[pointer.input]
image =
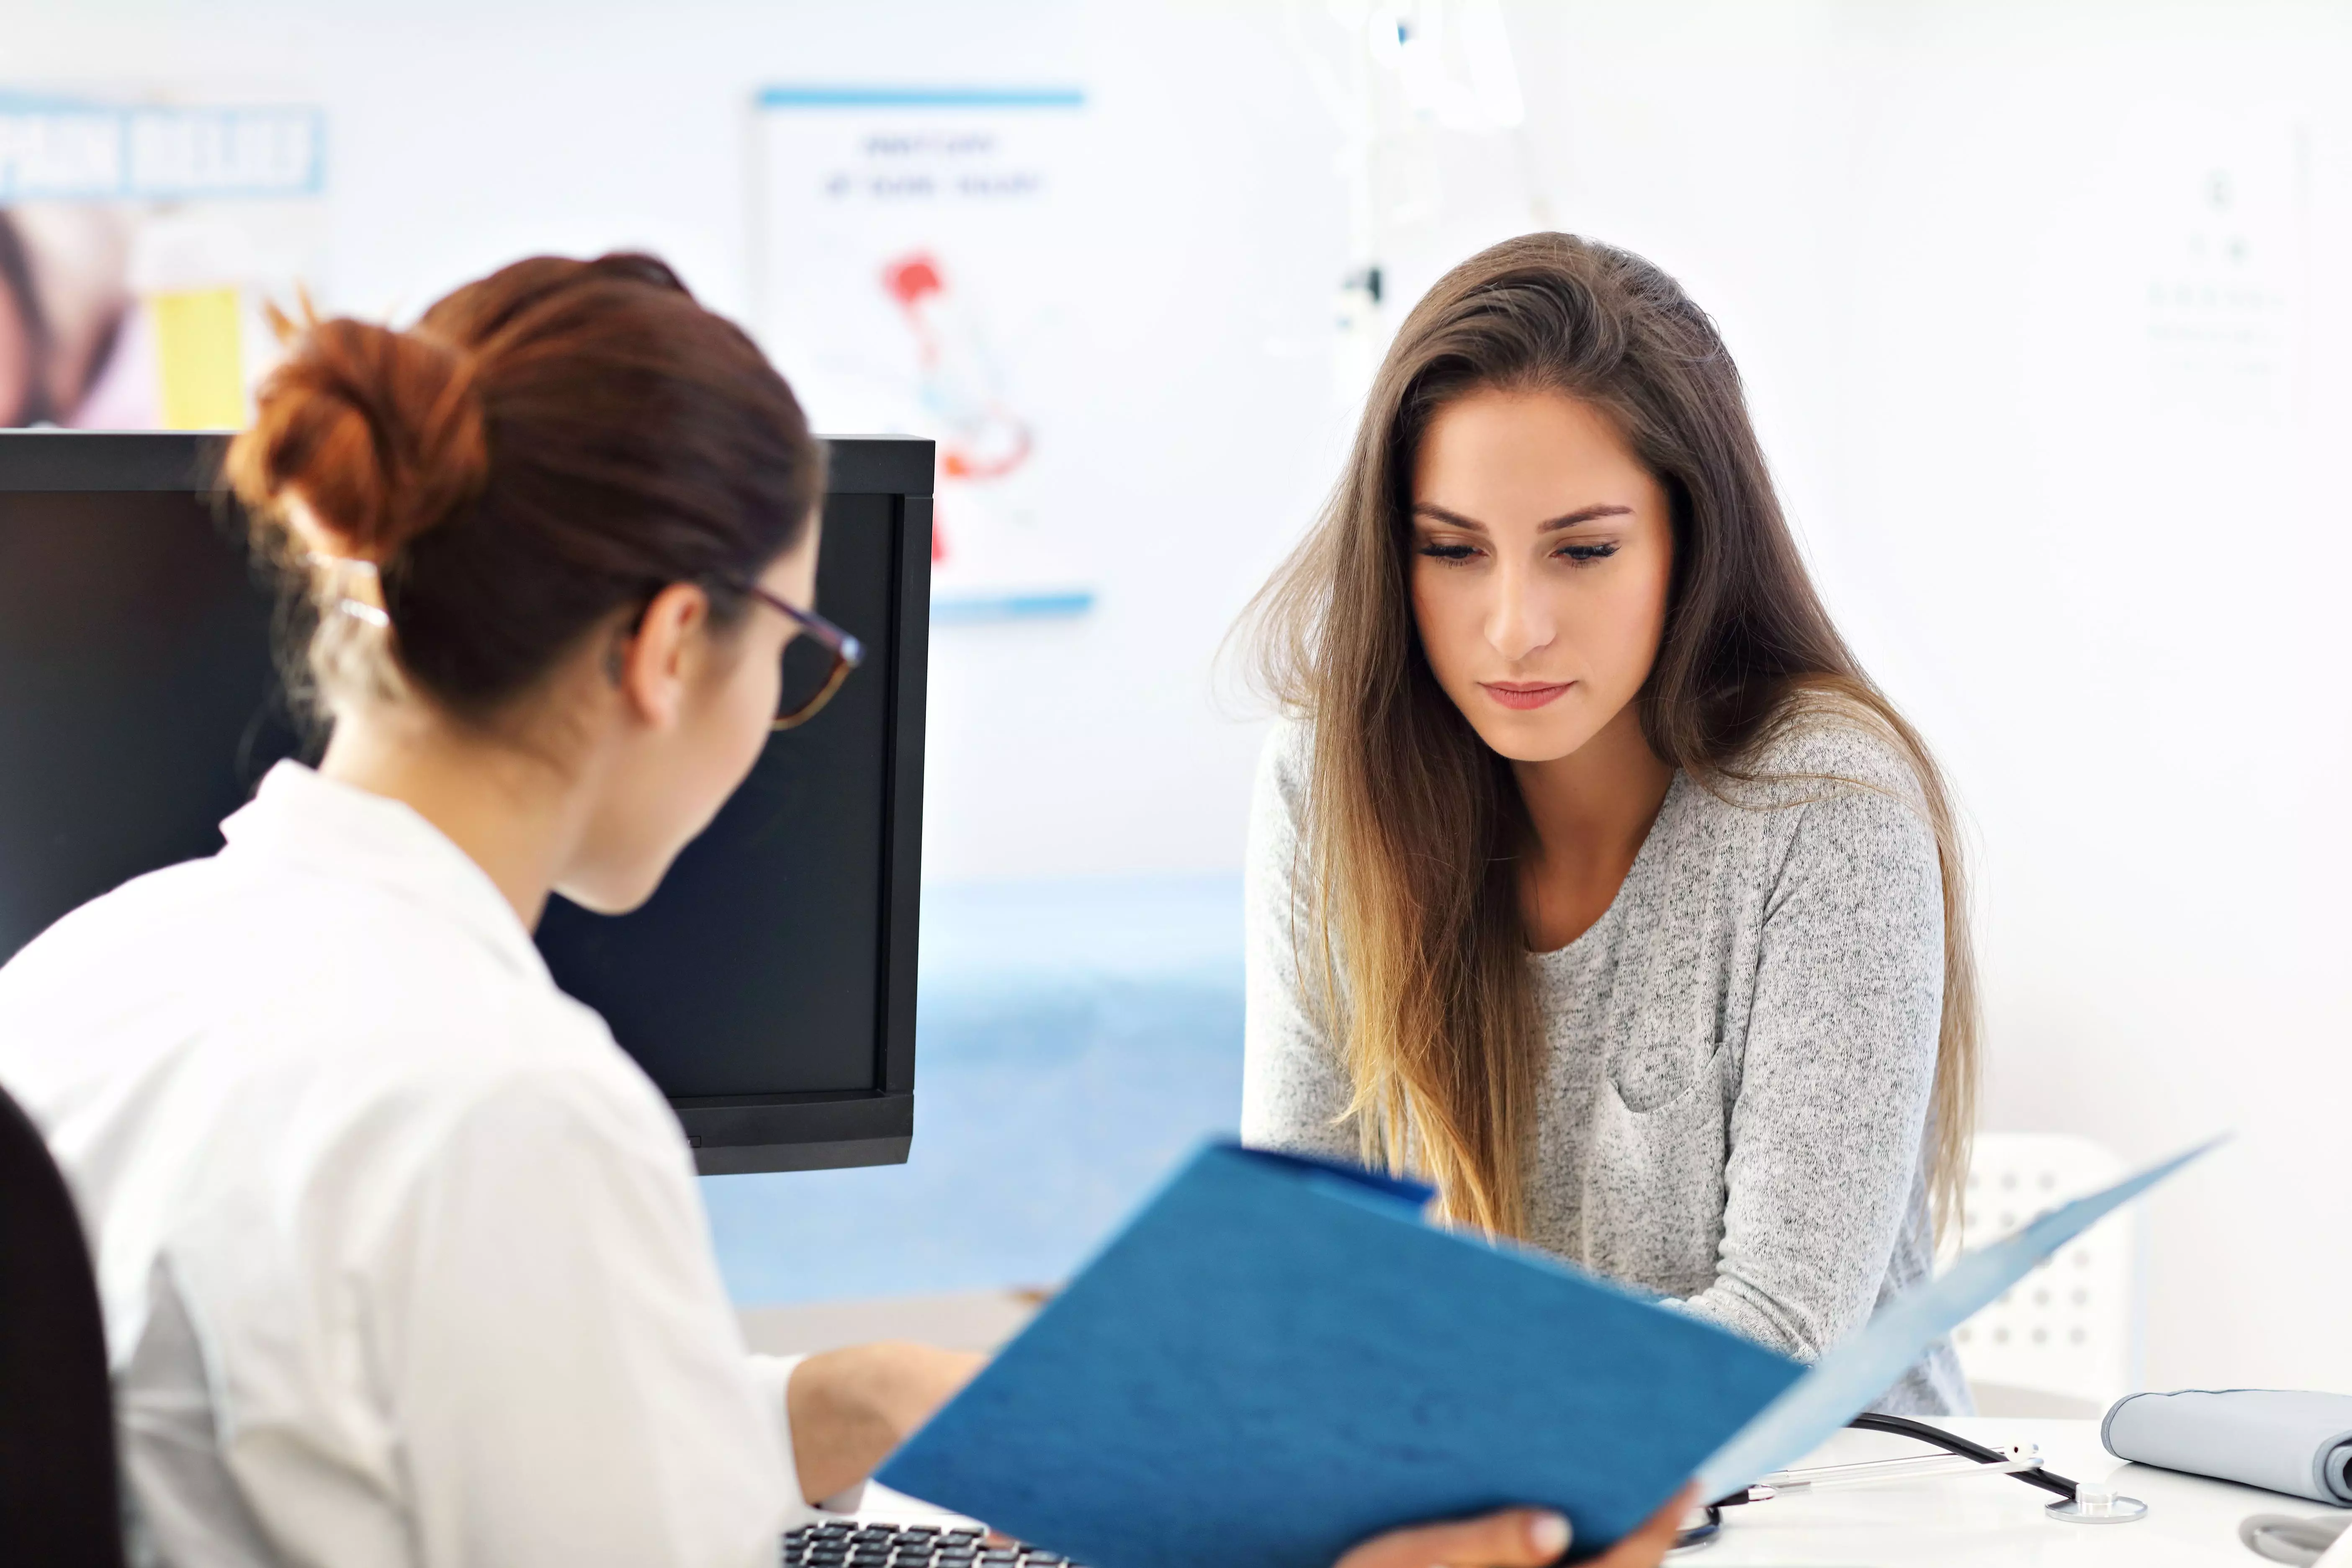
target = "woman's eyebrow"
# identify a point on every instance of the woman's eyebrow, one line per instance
(1452, 519)
(1568, 519)
(1584, 514)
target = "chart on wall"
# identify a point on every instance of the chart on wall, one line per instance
(918, 271)
(141, 235)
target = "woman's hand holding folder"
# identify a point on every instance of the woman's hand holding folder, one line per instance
(850, 1407)
(1515, 1538)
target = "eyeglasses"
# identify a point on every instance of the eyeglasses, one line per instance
(816, 662)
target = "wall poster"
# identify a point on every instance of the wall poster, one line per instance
(139, 237)
(907, 284)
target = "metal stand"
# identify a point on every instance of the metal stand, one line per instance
(1698, 1534)
(2097, 1505)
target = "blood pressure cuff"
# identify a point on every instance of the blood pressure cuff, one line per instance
(2300, 1444)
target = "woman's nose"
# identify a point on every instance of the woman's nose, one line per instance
(1518, 621)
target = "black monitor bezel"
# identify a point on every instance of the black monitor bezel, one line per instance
(735, 1134)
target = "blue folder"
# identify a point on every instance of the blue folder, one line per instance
(1278, 1358)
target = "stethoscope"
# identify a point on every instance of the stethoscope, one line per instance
(2076, 1504)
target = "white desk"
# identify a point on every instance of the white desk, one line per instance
(1972, 1519)
(1996, 1519)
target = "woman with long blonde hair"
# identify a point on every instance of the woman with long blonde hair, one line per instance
(1592, 878)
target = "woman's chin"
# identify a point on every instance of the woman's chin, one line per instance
(1559, 729)
(613, 894)
(1533, 737)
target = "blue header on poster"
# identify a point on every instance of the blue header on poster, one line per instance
(807, 97)
(969, 608)
(60, 149)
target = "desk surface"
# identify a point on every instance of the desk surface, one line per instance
(1993, 1518)
(1973, 1519)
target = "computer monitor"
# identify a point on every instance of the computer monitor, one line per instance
(768, 988)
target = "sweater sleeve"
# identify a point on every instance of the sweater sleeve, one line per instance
(1295, 1091)
(1835, 1083)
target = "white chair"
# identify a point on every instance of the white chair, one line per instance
(2064, 1341)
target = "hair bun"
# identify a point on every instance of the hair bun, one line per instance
(377, 432)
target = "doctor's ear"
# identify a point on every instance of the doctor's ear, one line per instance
(655, 658)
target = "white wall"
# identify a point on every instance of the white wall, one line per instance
(2103, 570)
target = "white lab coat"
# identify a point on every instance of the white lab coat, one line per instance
(402, 1257)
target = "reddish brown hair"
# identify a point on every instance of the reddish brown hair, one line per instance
(556, 441)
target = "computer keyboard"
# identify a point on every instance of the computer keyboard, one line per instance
(843, 1545)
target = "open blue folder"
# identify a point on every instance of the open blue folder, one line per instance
(1278, 1358)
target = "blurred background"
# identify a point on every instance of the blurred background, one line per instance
(2045, 312)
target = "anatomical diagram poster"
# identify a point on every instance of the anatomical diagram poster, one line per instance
(914, 261)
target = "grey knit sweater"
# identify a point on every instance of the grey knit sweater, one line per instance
(1741, 1050)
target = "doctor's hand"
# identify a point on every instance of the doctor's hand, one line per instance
(1515, 1538)
(849, 1409)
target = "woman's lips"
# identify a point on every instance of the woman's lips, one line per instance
(1523, 694)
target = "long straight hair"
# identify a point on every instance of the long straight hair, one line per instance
(1416, 827)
